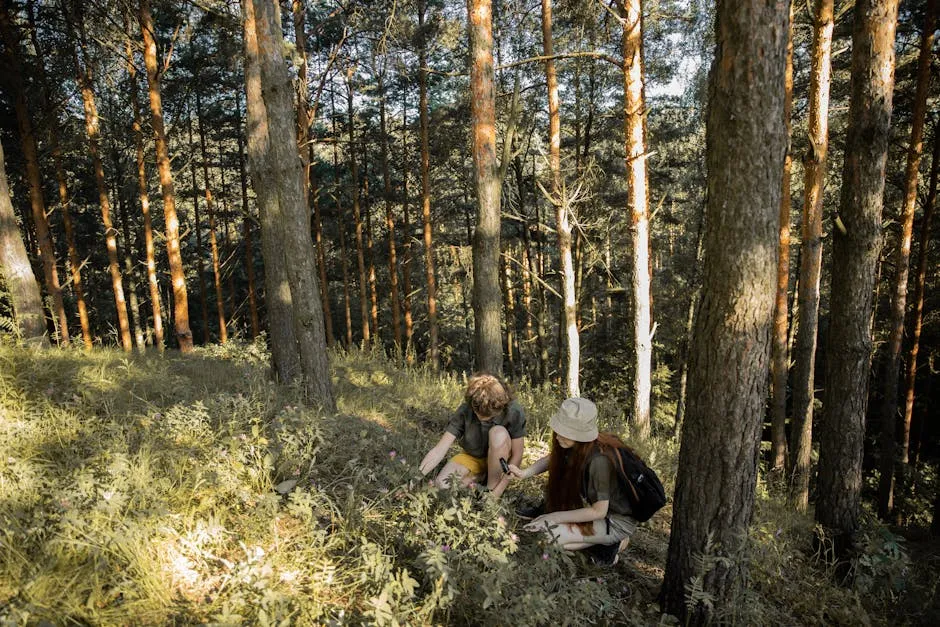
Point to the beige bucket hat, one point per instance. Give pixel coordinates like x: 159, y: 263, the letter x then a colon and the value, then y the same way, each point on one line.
x: 576, y: 420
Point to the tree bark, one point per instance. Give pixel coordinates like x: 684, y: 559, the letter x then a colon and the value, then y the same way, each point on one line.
x: 779, y: 363
x: 357, y: 214
x: 389, y: 220
x: 406, y: 239
x: 85, y: 80
x: 433, y: 357
x: 274, y: 143
x: 855, y: 250
x: 486, y: 294
x: 177, y: 274
x: 133, y: 303
x: 246, y: 229
x: 889, y: 407
x: 144, y: 195
x: 718, y: 458
x: 917, y: 317
x: 321, y: 256
x: 16, y: 271
x: 14, y: 78
x: 213, y: 242
x: 814, y: 187
x: 200, y: 262
x: 634, y: 125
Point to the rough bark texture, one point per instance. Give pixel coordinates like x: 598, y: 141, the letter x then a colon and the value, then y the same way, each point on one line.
x: 814, y: 186
x: 746, y: 143
x: 284, y: 350
x: 433, y: 357
x: 889, y: 407
x: 16, y: 272
x: 177, y: 274
x: 634, y: 127
x: 856, y: 247
x: 144, y: 196
x: 487, y: 342
x: 14, y: 79
x: 779, y: 357
x: 275, y: 137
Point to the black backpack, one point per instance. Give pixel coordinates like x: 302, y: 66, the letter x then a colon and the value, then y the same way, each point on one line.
x: 643, y: 488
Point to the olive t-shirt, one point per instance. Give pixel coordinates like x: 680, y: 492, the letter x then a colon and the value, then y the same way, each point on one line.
x: 474, y: 434
x: 603, y: 485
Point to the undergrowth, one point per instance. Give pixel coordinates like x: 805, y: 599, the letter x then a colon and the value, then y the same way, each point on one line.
x: 139, y: 489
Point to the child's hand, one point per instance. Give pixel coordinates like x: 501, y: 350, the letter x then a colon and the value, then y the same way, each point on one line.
x: 516, y: 472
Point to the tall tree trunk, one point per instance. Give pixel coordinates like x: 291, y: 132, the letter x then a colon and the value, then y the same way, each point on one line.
x: 213, y: 242
x: 273, y: 151
x: 695, y: 290
x: 510, y: 307
x: 321, y: 255
x: 357, y: 215
x: 571, y: 345
x: 814, y: 186
x: 14, y: 78
x: 718, y: 458
x: 856, y: 246
x: 177, y: 274
x: 227, y: 249
x: 200, y: 263
x: 486, y: 295
x: 779, y: 363
x: 144, y: 195
x: 634, y: 125
x: 84, y: 71
x: 246, y: 229
x: 370, y: 251
x: 16, y: 271
x: 889, y: 408
x: 917, y: 317
x: 75, y: 263
x: 284, y: 349
x: 433, y: 357
x: 406, y: 239
x: 389, y: 220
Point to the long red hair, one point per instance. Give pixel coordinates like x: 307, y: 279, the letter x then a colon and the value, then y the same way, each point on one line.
x: 566, y: 469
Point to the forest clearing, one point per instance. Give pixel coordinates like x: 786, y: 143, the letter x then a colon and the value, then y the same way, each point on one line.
x: 469, y: 312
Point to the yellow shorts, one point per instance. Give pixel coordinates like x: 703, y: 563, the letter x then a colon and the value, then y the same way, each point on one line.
x: 476, y: 465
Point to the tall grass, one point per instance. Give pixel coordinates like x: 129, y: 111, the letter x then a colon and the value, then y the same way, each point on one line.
x: 148, y: 490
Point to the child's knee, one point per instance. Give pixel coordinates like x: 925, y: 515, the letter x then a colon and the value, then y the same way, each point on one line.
x: 499, y: 437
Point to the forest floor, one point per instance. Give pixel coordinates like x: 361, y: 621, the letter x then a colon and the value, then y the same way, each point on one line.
x: 140, y: 489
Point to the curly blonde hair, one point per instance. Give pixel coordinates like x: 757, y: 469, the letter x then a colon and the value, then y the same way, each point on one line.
x: 487, y: 394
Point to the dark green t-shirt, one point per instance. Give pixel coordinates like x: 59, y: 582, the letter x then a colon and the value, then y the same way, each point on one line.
x: 603, y: 485
x: 474, y: 434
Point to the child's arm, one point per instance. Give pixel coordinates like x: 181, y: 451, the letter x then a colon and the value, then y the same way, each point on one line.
x: 597, y: 511
x: 535, y: 469
x: 436, y: 454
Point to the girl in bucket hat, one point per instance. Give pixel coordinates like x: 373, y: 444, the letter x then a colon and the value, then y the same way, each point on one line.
x: 586, y: 506
x: 490, y: 427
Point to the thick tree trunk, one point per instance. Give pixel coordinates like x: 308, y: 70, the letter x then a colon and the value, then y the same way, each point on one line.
x: 200, y: 263
x: 634, y: 126
x: 889, y: 408
x: 272, y: 147
x: 144, y: 196
x: 213, y: 242
x: 779, y: 363
x: 177, y: 274
x: 110, y: 233
x: 284, y: 349
x: 814, y: 185
x: 570, y: 352
x: 17, y: 273
x: 14, y: 78
x: 488, y: 344
x: 433, y: 357
x: 917, y: 317
x: 855, y: 249
x: 718, y: 459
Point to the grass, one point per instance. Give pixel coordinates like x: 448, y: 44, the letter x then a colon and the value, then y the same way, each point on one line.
x: 147, y: 490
